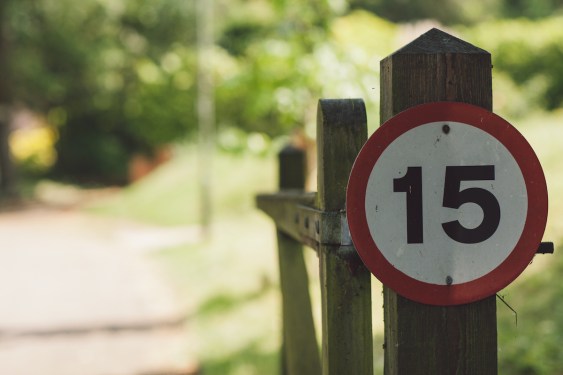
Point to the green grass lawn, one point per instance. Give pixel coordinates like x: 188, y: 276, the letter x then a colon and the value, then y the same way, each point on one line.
x: 230, y: 284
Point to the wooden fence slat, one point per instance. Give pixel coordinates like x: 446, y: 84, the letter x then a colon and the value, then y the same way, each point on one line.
x: 300, y: 352
x: 423, y: 339
x: 345, y: 282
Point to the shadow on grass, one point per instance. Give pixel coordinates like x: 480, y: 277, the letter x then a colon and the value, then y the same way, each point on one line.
x: 224, y: 302
x: 250, y: 360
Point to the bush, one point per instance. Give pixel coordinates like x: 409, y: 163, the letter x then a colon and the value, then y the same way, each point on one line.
x: 114, y: 79
x: 530, y: 53
x: 87, y: 155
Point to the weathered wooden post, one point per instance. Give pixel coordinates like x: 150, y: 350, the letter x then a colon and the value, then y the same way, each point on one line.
x: 319, y: 220
x: 345, y: 282
x: 300, y: 354
x: 424, y: 339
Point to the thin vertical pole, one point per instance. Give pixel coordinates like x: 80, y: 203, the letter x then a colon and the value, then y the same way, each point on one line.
x: 205, y: 108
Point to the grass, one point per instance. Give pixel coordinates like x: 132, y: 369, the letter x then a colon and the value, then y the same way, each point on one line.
x: 230, y: 284
x: 171, y: 194
x: 545, y: 134
x: 530, y: 342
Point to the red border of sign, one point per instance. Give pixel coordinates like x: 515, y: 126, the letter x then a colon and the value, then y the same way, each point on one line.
x: 519, y: 257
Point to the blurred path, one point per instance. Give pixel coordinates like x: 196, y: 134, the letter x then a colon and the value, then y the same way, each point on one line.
x: 80, y: 296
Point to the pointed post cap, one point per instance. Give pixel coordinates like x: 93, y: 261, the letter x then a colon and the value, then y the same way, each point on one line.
x: 436, y: 41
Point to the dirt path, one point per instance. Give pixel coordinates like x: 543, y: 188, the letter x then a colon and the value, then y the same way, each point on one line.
x: 79, y: 295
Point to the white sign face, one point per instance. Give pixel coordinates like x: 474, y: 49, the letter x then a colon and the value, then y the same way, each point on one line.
x: 423, y: 159
x: 446, y: 203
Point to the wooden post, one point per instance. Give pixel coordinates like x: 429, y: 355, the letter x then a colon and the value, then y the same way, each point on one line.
x: 345, y: 282
x: 300, y: 353
x: 423, y: 339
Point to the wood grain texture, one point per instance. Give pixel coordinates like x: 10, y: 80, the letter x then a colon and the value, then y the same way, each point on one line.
x: 413, y: 75
x: 341, y: 133
x: 345, y: 282
x: 423, y: 339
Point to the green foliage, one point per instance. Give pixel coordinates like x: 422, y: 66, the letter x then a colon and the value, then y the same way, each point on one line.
x: 531, y: 8
x: 530, y: 54
x: 115, y: 71
x: 86, y: 153
x: 123, y: 73
x: 269, y: 90
x: 279, y: 77
x: 533, y: 346
x: 452, y: 12
x: 446, y: 12
x: 240, y: 34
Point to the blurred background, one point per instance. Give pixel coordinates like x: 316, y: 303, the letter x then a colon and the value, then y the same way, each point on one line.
x: 134, y: 136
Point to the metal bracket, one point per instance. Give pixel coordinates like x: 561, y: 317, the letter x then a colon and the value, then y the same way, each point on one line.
x: 546, y: 248
x: 295, y: 214
x: 322, y: 227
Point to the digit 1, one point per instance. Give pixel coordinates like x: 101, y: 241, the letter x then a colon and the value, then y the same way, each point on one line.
x: 411, y: 183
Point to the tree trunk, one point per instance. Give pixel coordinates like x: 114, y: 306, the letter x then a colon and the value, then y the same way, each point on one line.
x: 7, y: 180
x: 7, y: 177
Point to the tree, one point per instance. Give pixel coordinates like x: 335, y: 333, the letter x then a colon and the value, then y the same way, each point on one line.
x: 115, y: 78
x: 7, y: 179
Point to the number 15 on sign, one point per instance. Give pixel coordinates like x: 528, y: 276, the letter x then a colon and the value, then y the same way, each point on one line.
x: 446, y: 203
x: 411, y: 183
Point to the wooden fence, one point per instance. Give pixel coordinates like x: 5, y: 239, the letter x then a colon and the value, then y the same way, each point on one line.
x: 419, y: 339
x: 319, y: 220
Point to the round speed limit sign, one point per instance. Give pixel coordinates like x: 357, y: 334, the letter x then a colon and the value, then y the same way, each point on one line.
x: 446, y: 203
